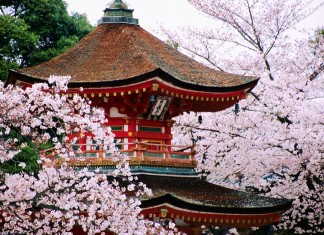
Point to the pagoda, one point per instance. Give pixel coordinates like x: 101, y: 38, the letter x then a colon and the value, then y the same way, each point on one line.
x: 142, y: 83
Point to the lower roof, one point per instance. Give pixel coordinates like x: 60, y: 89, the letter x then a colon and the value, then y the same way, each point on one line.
x: 199, y: 195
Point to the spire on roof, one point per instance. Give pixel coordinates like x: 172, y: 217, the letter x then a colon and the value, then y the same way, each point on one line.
x: 118, y: 4
x: 118, y: 12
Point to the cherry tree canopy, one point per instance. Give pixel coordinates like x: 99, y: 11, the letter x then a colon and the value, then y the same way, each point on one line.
x: 50, y: 200
x: 272, y: 142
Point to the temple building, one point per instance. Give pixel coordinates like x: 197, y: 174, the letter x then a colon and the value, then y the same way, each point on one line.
x: 142, y: 83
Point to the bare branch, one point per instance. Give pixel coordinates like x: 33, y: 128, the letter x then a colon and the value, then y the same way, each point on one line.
x: 317, y: 72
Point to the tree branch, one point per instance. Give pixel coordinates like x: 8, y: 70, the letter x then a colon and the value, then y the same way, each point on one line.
x: 317, y: 72
x: 213, y: 130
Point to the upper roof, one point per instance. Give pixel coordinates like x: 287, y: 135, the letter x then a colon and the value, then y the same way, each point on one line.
x: 121, y: 54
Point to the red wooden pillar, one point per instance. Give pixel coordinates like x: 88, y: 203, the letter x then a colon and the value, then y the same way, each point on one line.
x: 168, y: 126
x: 131, y: 122
x: 82, y: 140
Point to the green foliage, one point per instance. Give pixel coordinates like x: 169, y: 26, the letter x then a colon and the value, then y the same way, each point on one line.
x: 35, y: 31
x: 5, y: 66
x: 44, y: 146
x: 319, y: 33
x: 79, y: 25
x: 16, y: 38
x: 27, y: 155
x: 15, y: 41
x: 61, y: 45
x: 316, y: 42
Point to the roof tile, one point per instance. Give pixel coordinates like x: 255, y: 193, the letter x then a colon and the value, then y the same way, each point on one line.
x: 115, y: 52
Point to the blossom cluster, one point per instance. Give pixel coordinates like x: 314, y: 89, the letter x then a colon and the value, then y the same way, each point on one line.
x: 58, y: 199
x: 273, y: 142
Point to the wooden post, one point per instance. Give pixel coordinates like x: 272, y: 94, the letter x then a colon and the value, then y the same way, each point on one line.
x: 196, y: 231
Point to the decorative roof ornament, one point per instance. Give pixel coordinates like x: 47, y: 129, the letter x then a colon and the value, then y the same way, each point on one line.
x: 118, y: 12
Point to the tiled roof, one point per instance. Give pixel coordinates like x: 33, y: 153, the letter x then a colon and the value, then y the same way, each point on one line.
x: 115, y: 54
x: 200, y: 195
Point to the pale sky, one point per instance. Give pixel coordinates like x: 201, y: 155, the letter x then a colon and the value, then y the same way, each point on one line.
x: 169, y: 13
x: 150, y: 13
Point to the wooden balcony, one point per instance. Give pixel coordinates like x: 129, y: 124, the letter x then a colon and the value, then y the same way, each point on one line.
x: 142, y: 154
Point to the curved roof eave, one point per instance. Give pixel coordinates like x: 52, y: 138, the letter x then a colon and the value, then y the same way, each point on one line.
x: 199, y: 195
x: 142, y: 78
x: 194, y: 206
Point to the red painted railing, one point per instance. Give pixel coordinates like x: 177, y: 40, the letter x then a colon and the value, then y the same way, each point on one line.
x: 142, y: 152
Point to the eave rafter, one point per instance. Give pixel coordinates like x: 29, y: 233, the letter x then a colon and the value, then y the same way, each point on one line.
x: 136, y: 97
x: 169, y: 211
x: 159, y: 87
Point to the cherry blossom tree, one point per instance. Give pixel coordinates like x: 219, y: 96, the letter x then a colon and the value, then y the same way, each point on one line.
x: 272, y: 142
x: 54, y: 200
